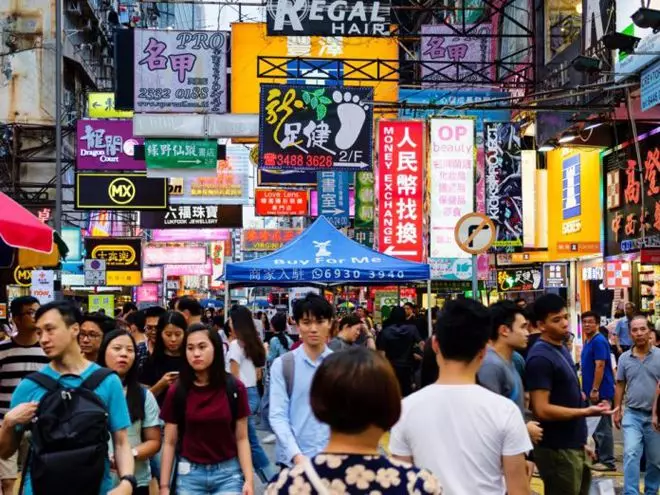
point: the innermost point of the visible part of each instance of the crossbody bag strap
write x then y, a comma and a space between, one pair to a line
314, 478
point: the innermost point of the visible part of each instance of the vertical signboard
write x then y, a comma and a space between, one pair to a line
218, 263
333, 197
364, 207
452, 184
504, 184
180, 71
43, 287
400, 188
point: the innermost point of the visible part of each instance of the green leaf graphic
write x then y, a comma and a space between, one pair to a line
325, 100
319, 92
321, 112
306, 97
315, 102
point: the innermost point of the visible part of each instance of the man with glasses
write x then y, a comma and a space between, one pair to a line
19, 356
92, 330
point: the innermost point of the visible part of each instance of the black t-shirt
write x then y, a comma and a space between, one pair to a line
531, 340
153, 370
549, 367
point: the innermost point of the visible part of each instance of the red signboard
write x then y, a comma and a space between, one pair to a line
618, 274
267, 239
400, 188
278, 202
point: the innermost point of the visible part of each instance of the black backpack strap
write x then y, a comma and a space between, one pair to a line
44, 381
232, 396
95, 379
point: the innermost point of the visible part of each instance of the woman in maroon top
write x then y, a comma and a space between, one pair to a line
214, 449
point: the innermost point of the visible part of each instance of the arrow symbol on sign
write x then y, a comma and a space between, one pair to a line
198, 161
391, 251
353, 165
336, 211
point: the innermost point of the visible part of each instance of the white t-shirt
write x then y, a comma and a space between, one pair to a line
248, 373
460, 433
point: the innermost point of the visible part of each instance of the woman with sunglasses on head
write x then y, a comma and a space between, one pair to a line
205, 413
118, 352
247, 357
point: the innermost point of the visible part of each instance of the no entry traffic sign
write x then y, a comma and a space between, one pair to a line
475, 233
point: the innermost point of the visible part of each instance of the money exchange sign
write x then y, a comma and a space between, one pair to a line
180, 71
315, 127
400, 186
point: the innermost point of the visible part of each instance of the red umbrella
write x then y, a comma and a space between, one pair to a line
21, 229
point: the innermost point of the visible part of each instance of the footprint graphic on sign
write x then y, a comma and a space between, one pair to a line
352, 113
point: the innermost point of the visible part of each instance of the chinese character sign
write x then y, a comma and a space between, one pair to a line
305, 127
571, 188
504, 184
452, 182
519, 279
448, 57
278, 202
332, 197
267, 239
106, 145
400, 188
364, 200
180, 71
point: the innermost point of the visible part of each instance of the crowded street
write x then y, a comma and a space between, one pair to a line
327, 247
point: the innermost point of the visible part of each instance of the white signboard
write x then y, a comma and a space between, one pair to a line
43, 287
180, 71
95, 273
452, 182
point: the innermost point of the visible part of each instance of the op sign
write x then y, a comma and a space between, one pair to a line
180, 71
315, 127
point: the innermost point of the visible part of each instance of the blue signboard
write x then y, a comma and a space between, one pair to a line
571, 190
650, 87
316, 72
333, 197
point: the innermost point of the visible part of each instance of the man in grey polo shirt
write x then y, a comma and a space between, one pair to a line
636, 379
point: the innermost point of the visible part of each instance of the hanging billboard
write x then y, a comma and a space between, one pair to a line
180, 71
400, 188
194, 217
277, 202
333, 199
106, 145
504, 184
120, 192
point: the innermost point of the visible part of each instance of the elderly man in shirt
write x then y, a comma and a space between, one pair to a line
622, 335
637, 376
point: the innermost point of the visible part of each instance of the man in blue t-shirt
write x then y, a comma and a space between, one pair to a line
556, 400
598, 385
58, 326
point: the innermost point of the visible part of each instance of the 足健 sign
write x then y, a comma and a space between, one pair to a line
306, 127
120, 192
333, 199
519, 279
328, 18
275, 202
475, 233
180, 71
194, 216
400, 174
167, 154
106, 145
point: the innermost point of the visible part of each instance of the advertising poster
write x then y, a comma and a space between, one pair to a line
147, 293
306, 127
192, 217
401, 188
152, 274
503, 146
333, 200
122, 255
452, 184
174, 255
120, 192
275, 202
180, 71
519, 279
106, 145
175, 235
218, 262
43, 286
97, 302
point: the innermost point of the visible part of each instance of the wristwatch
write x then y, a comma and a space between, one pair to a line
131, 479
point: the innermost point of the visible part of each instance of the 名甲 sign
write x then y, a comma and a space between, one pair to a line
180, 71
120, 192
275, 202
328, 18
181, 153
305, 127
475, 233
193, 216
333, 199
106, 145
400, 174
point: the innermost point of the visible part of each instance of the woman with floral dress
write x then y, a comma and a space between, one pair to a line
343, 396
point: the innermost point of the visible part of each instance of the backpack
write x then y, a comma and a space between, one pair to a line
70, 434
288, 370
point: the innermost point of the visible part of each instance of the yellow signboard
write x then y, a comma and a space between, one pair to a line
530, 257
123, 278
249, 41
102, 106
106, 302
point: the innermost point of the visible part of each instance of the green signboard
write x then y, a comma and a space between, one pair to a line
181, 153
364, 200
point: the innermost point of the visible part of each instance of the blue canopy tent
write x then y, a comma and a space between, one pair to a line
322, 255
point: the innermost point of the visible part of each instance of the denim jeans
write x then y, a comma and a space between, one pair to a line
262, 465
604, 441
638, 434
224, 478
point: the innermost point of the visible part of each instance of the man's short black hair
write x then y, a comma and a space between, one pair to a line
105, 323
410, 305
69, 311
462, 330
503, 313
152, 311
17, 305
129, 306
591, 314
546, 305
190, 304
349, 321
138, 319
313, 305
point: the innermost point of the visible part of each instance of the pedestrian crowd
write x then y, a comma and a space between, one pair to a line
474, 404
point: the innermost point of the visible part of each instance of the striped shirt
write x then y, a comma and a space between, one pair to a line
16, 362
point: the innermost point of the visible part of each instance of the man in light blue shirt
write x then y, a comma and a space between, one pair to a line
622, 331
299, 434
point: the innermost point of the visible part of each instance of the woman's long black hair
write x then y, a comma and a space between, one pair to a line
169, 318
246, 333
134, 396
278, 324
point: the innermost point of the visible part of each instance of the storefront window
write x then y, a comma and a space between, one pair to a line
563, 24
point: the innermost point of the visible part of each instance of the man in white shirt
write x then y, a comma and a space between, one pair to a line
471, 439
